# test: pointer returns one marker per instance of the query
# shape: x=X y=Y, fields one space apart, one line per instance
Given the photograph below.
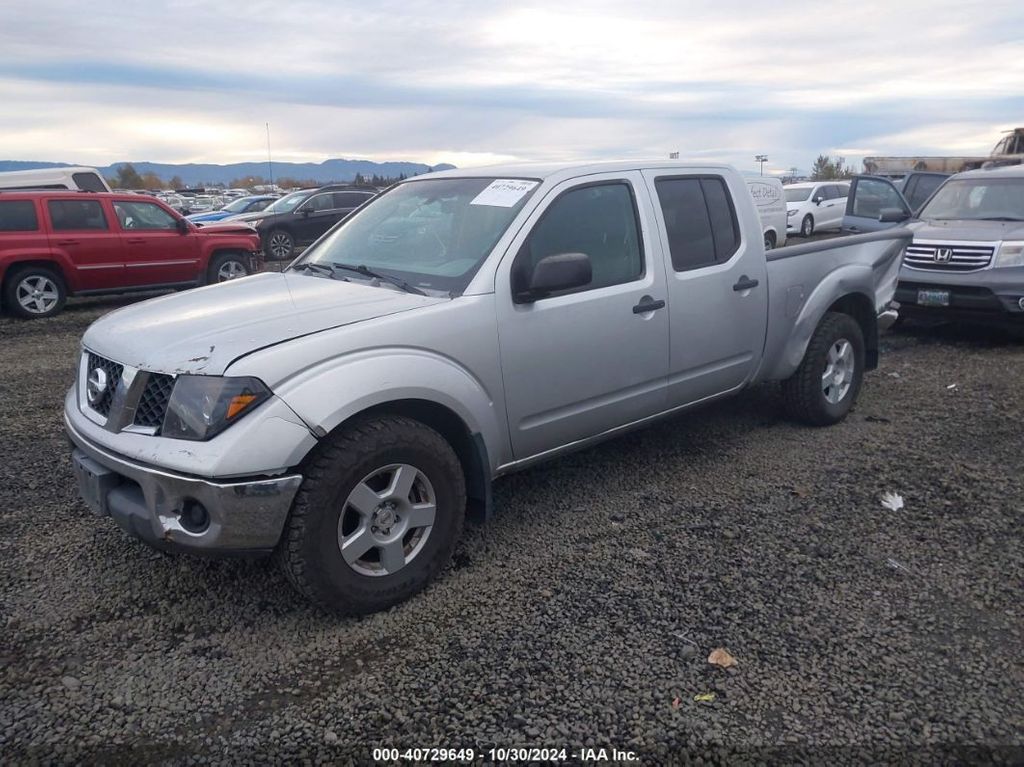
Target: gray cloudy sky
x=476 y=82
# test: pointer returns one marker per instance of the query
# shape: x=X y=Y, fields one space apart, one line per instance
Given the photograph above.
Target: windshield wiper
x=398 y=282
x=315 y=267
x=998 y=218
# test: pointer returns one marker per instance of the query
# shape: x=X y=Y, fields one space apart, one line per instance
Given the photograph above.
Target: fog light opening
x=1020 y=303
x=194 y=516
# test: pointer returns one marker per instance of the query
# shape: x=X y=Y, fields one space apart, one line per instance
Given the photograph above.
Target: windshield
x=1000 y=199
x=289 y=202
x=797 y=194
x=433 y=234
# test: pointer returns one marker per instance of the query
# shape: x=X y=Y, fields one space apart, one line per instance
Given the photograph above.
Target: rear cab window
x=18 y=216
x=700 y=220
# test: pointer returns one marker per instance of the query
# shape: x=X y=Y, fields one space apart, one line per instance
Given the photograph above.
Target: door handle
x=853 y=228
x=648 y=306
x=745 y=283
x=135 y=241
x=68 y=242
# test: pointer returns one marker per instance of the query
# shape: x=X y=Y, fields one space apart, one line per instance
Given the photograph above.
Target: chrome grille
x=113 y=371
x=948 y=257
x=153 y=404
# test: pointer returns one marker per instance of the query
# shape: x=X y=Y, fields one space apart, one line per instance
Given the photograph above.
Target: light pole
x=762 y=159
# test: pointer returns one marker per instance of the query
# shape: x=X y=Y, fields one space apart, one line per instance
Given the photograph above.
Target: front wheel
x=279 y=244
x=807 y=225
x=825 y=386
x=227 y=266
x=34 y=292
x=377 y=516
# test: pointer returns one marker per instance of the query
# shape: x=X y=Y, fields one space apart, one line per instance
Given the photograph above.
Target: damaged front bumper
x=177 y=512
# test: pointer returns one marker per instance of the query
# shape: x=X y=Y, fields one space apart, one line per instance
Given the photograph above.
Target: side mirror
x=562 y=271
x=304 y=212
x=893 y=215
x=183 y=227
x=818 y=200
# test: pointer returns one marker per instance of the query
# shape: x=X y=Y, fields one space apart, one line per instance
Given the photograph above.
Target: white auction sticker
x=504 y=192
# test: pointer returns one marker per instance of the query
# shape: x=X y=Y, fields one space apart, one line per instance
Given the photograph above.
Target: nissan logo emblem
x=943 y=255
x=96 y=385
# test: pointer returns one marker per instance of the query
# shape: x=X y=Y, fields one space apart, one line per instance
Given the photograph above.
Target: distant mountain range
x=198 y=174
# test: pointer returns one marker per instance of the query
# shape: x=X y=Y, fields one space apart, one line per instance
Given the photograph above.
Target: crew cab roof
x=543 y=171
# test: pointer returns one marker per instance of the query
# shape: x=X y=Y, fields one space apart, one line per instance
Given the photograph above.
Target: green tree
x=176 y=183
x=826 y=169
x=128 y=177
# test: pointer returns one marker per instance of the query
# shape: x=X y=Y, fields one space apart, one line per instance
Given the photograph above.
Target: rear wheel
x=34 y=292
x=279 y=244
x=227 y=266
x=377 y=517
x=825 y=386
x=807 y=225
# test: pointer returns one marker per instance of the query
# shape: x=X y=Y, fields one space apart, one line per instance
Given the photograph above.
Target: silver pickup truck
x=346 y=413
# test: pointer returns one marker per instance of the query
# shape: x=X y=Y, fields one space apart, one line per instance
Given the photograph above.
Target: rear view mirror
x=562 y=271
x=893 y=215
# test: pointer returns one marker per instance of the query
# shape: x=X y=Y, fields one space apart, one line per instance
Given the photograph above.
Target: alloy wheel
x=839 y=369
x=37 y=294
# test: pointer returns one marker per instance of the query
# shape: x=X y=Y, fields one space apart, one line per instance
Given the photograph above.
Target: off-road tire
x=309 y=552
x=17 y=275
x=807 y=226
x=802 y=392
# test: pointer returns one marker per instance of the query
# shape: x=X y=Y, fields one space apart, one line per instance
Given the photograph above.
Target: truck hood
x=985 y=231
x=203 y=331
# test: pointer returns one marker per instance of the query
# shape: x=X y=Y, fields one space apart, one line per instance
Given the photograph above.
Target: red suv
x=56 y=244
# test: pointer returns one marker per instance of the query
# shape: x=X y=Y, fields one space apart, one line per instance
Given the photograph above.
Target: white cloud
x=472 y=83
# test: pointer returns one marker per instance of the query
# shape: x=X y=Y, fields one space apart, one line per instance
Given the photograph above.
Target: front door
x=156 y=251
x=581 y=362
x=868 y=197
x=717 y=283
x=316 y=215
x=81 y=229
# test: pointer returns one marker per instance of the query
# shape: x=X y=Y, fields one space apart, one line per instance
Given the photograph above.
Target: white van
x=88 y=179
x=771 y=207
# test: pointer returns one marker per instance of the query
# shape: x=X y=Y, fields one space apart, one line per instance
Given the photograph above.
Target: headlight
x=790 y=213
x=254 y=223
x=1010 y=254
x=202 y=406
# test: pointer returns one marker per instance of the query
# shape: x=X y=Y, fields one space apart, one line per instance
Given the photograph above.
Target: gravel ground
x=583 y=614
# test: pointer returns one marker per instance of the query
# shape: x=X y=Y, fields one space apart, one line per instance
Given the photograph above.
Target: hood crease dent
x=170 y=334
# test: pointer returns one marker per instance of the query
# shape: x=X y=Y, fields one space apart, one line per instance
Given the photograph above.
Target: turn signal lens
x=239 y=403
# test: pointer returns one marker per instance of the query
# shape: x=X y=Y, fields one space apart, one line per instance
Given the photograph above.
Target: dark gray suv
x=301 y=217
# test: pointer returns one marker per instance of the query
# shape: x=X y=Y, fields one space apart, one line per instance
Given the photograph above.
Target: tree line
x=127 y=177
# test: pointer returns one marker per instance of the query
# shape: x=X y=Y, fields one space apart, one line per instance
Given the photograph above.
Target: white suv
x=815 y=206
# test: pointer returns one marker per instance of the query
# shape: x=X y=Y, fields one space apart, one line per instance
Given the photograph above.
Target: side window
x=18 y=216
x=257 y=205
x=923 y=190
x=76 y=215
x=599 y=220
x=700 y=221
x=89 y=181
x=872 y=196
x=144 y=216
x=319 y=202
x=843 y=190
x=349 y=199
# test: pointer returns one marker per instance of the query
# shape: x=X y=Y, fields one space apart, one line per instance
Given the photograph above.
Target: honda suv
x=301 y=217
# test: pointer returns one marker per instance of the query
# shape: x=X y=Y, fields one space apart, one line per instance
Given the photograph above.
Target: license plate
x=94 y=482
x=933 y=297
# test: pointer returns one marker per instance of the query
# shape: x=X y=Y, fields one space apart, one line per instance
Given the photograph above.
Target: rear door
x=868 y=197
x=717 y=286
x=81 y=228
x=156 y=252
x=581 y=362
